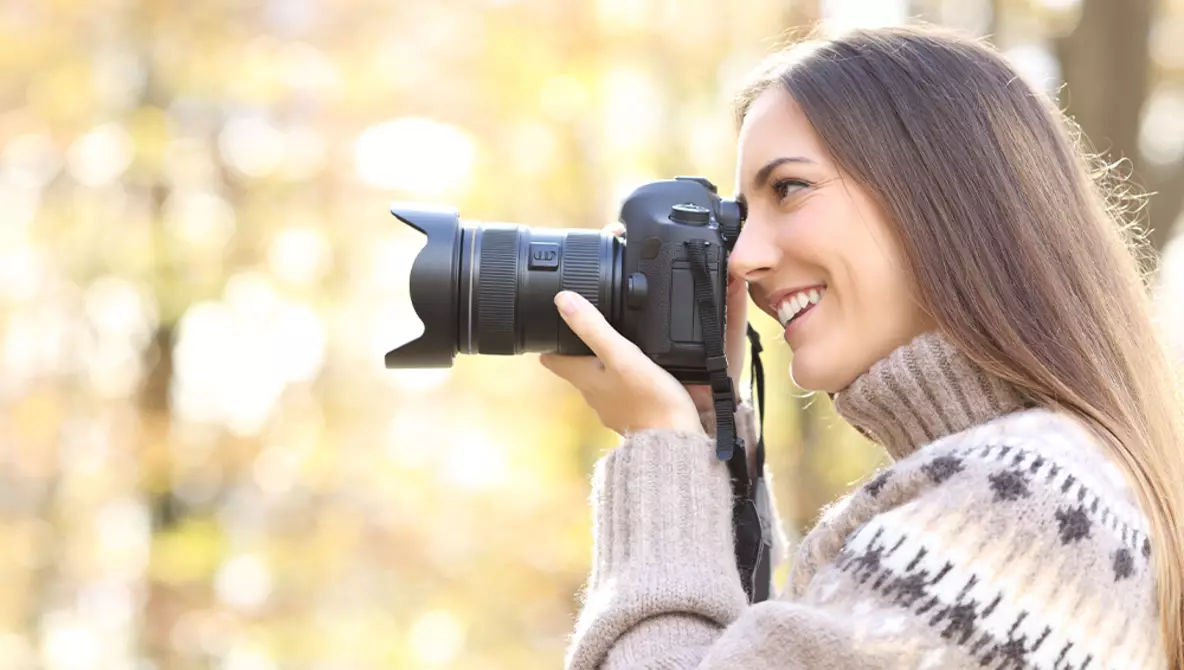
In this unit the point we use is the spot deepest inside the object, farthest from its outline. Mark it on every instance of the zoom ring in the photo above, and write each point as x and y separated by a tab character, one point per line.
580	273
581	265
497	294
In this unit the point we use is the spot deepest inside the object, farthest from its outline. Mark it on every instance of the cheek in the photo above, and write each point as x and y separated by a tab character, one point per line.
876	282
814	235
877	294
833	241
870	318
874	311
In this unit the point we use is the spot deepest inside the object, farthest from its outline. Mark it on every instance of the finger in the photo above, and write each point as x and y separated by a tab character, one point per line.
737	302
701	395
737	331
736	285
590	326
616	228
577	370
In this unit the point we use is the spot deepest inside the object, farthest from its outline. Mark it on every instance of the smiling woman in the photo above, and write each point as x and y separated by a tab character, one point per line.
949	274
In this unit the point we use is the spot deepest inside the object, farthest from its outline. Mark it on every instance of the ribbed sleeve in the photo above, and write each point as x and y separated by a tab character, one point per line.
662	542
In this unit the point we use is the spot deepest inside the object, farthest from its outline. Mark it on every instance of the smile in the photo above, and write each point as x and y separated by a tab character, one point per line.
797	303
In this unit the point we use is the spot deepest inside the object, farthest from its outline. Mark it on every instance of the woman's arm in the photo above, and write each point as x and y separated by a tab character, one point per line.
664	581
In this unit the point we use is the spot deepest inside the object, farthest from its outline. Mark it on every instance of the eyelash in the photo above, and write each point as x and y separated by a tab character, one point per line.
781	188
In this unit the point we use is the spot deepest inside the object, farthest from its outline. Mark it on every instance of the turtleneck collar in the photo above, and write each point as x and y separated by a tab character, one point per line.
921	392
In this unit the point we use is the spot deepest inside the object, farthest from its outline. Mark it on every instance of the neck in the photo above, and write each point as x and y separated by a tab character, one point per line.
921	392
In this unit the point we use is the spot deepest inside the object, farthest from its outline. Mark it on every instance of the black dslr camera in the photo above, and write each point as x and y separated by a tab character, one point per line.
489	289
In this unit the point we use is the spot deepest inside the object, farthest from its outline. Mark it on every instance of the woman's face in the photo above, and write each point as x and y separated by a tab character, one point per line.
817	251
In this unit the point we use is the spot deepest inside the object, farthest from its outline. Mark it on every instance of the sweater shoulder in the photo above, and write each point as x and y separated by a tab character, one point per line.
1034	453
1022	467
1023	527
1037	455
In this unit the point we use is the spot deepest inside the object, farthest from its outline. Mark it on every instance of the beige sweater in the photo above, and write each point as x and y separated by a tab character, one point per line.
1001	538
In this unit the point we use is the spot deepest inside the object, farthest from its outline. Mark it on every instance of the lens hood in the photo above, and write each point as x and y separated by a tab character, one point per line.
434	278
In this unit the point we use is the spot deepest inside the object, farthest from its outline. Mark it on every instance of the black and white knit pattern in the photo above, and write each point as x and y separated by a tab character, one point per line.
1007	598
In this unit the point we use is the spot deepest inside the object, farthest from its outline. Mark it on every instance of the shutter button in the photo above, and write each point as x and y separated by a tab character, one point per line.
690	214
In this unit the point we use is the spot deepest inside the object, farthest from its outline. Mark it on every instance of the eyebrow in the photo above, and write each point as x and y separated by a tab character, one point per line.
762	175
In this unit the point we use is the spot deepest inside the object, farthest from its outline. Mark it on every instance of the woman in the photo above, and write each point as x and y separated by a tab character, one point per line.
920	223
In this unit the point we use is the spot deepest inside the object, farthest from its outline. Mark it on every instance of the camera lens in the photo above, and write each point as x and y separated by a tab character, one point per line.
489	288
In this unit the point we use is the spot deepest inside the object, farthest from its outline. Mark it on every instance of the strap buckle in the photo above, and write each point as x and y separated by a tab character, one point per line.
723	390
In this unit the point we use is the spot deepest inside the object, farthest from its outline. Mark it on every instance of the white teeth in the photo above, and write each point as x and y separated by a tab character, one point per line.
785	313
793	305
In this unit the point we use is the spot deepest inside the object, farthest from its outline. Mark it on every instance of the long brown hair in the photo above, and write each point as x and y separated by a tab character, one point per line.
1017	244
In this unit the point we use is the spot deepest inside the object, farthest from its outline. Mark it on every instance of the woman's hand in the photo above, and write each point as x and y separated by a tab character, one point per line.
627	390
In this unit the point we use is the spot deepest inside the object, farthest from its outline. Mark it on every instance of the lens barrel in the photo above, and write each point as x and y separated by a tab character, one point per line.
490	288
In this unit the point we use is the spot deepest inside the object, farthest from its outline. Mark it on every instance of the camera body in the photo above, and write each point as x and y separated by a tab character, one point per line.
660	311
489	288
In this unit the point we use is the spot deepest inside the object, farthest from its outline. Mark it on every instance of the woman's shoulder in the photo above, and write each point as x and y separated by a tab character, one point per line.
1038	467
1034	454
1022	525
1048	451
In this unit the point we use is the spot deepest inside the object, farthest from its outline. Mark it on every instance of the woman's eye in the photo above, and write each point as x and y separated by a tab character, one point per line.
785	187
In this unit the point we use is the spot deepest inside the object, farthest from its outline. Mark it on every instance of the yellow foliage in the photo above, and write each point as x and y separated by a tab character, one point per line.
203	462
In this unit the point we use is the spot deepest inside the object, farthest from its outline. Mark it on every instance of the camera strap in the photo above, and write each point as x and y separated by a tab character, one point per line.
749	499
764	507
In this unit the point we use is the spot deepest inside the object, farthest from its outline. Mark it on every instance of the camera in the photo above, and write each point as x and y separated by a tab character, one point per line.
489	288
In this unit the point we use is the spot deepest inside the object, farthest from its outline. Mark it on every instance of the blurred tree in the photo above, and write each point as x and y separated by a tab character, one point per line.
1110	77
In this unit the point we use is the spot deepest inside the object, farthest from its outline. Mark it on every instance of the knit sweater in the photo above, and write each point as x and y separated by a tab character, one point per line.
1001	537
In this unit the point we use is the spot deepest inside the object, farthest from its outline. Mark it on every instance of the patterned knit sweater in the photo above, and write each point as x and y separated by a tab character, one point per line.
1002	537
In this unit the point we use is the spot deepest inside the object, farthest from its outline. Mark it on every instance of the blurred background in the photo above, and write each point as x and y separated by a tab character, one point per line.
203	462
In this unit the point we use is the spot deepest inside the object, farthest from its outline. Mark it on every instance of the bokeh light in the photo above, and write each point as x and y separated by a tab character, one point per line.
437	637
100	155
415	155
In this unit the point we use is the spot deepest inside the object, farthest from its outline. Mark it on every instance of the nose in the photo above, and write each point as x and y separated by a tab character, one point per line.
755	253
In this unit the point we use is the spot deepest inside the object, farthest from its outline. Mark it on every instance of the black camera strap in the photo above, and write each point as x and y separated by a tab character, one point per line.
749	500
764	568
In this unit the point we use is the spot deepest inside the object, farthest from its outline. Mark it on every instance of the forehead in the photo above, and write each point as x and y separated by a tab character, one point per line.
775	126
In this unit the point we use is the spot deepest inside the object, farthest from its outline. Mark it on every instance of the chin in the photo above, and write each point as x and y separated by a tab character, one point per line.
816	371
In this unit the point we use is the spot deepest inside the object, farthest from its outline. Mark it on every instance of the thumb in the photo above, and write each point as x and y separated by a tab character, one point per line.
590	326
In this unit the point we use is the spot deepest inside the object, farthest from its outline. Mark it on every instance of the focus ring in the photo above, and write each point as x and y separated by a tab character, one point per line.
497	295
580	273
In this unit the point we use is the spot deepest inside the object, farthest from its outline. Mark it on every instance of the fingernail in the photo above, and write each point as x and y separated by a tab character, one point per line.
566	303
